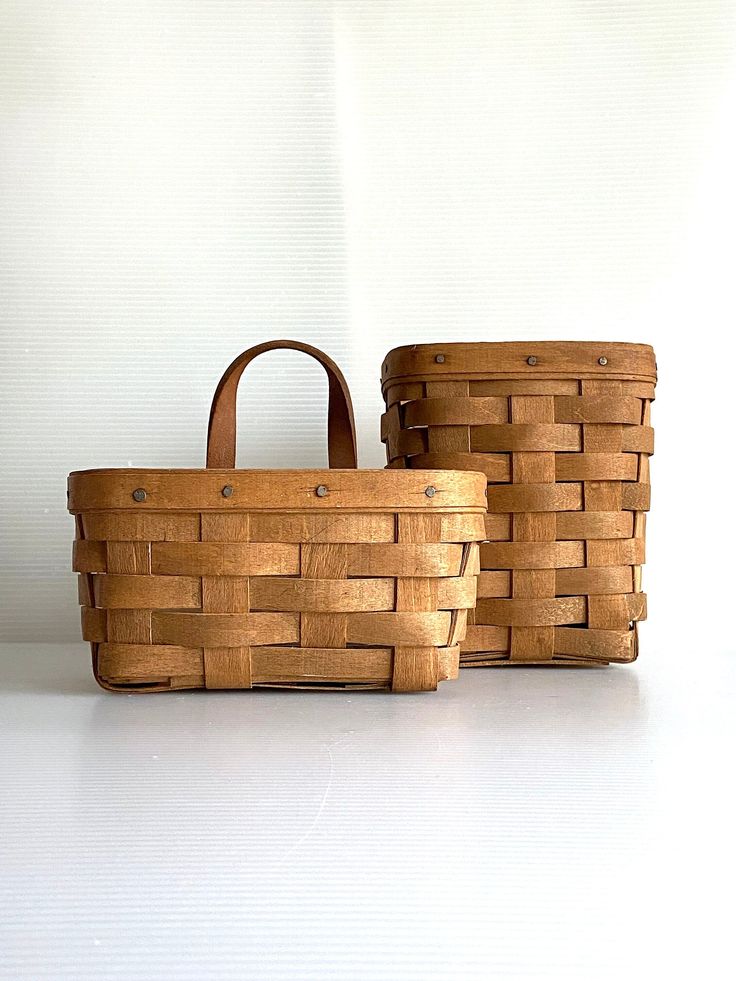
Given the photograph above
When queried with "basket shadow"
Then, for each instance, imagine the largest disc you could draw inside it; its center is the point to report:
(601, 700)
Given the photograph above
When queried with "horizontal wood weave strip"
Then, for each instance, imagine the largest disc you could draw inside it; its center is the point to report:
(488, 646)
(284, 527)
(415, 442)
(240, 559)
(398, 393)
(275, 594)
(520, 436)
(532, 555)
(498, 584)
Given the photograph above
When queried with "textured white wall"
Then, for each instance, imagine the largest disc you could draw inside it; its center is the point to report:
(181, 180)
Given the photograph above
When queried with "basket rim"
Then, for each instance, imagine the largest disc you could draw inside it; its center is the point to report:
(509, 359)
(200, 489)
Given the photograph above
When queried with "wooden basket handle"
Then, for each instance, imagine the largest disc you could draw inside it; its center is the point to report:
(223, 421)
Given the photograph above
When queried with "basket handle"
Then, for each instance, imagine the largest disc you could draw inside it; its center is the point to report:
(223, 422)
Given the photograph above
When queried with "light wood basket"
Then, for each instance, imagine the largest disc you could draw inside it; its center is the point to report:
(224, 578)
(562, 432)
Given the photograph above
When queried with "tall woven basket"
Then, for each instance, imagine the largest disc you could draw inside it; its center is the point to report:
(562, 432)
(225, 578)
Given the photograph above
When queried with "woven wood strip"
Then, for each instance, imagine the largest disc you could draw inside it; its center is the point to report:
(590, 581)
(323, 595)
(515, 437)
(143, 592)
(581, 525)
(545, 554)
(596, 466)
(127, 526)
(89, 556)
(317, 528)
(537, 497)
(600, 408)
(496, 466)
(405, 559)
(458, 411)
(236, 558)
(562, 432)
(494, 583)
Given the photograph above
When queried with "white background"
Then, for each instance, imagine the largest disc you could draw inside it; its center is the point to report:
(182, 180)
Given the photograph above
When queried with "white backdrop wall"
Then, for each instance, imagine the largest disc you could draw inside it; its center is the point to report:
(181, 180)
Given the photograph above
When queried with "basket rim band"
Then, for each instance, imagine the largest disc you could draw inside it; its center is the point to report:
(277, 490)
(519, 359)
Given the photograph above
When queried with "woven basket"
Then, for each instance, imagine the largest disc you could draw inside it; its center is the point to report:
(224, 578)
(562, 432)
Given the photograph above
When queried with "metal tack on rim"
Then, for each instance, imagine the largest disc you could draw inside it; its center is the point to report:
(430, 491)
(321, 491)
(602, 361)
(227, 491)
(440, 358)
(139, 494)
(531, 359)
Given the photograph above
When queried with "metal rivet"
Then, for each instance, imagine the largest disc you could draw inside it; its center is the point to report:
(430, 491)
(531, 359)
(139, 494)
(227, 491)
(602, 360)
(440, 358)
(321, 491)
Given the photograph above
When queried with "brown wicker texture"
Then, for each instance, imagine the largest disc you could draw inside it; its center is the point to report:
(562, 432)
(224, 578)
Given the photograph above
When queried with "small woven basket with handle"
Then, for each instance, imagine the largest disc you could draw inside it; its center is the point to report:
(562, 432)
(225, 578)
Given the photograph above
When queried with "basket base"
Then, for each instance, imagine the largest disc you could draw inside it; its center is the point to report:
(131, 669)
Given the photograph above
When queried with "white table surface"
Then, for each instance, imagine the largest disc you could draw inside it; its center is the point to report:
(519, 823)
